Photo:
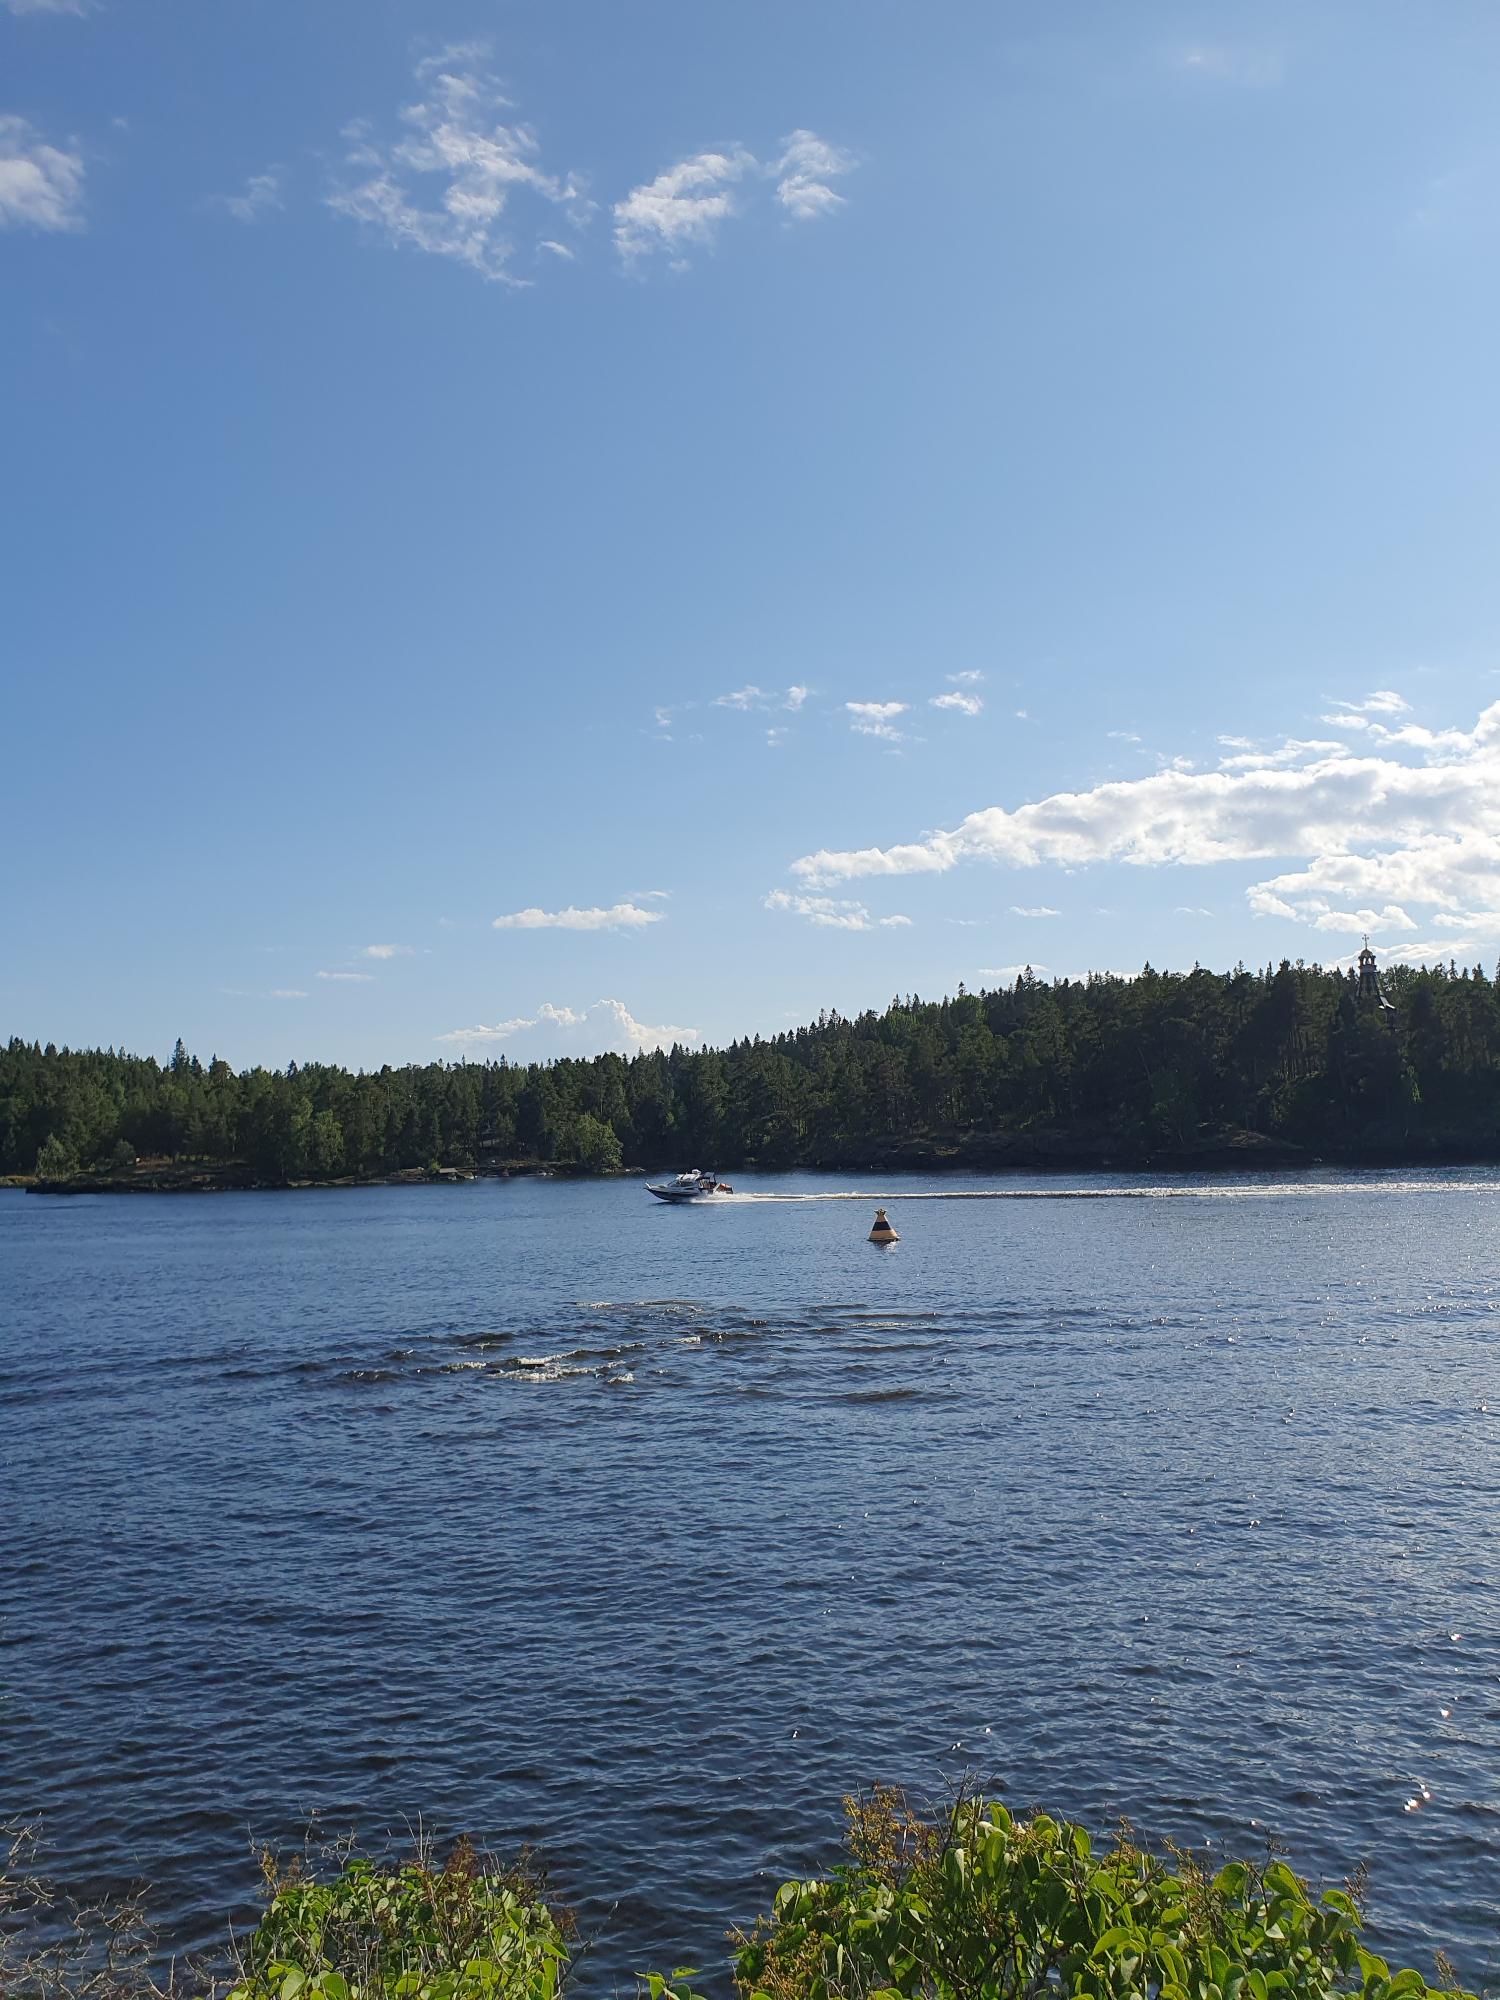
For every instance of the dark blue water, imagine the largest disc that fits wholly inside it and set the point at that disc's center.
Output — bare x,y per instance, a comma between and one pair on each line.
550,1514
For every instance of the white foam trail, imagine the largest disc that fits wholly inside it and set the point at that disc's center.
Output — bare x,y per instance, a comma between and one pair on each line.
1277,1192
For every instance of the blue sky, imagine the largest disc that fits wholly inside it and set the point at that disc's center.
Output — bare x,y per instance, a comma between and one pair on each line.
778,504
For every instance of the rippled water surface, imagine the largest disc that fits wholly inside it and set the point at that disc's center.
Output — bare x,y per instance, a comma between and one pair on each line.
553,1514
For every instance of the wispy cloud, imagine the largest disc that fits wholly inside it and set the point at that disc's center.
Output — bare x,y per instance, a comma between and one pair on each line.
752,697
260,195
445,184
288,993
876,718
386,951
1251,68
686,205
682,208
608,1024
1008,973
41,185
1409,822
833,914
806,166
618,917
350,978
962,704
1384,701
46,6
1035,910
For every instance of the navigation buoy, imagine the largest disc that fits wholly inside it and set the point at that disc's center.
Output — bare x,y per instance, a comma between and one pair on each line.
882,1231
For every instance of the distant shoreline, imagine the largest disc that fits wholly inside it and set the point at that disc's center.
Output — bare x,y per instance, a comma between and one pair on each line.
1238,1152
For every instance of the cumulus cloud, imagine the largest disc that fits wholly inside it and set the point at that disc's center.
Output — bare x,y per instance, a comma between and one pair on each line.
618,917
608,1024
875,718
1409,821
444,185
806,166
837,914
963,704
41,185
682,208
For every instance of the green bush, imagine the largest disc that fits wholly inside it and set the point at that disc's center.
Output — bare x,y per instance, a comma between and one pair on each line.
407,1931
54,1160
981,1904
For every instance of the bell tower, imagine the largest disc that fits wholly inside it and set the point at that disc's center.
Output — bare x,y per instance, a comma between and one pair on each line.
1368,993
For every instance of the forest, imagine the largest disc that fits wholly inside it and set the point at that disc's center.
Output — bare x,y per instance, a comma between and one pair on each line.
1164,1068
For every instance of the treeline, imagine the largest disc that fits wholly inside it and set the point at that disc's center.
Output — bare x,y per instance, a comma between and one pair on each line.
1160,1065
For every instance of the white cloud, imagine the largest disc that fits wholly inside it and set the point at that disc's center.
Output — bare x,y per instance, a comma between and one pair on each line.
1036,910
1384,701
682,208
1008,973
608,1024
806,166
41,186
1191,910
1410,824
970,677
874,718
752,697
964,704
837,914
386,951
444,186
261,193
353,978
618,917
46,6
288,993
556,249
685,206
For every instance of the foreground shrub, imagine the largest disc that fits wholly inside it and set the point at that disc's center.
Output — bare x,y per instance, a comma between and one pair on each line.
974,1905
407,1931
53,1947
981,1905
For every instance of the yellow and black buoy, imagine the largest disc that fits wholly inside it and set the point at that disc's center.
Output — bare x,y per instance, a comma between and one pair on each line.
882,1231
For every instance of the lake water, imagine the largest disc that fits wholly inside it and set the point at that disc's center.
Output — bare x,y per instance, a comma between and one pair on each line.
551,1514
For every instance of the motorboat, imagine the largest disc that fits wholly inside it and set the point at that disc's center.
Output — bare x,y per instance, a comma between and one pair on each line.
692,1186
